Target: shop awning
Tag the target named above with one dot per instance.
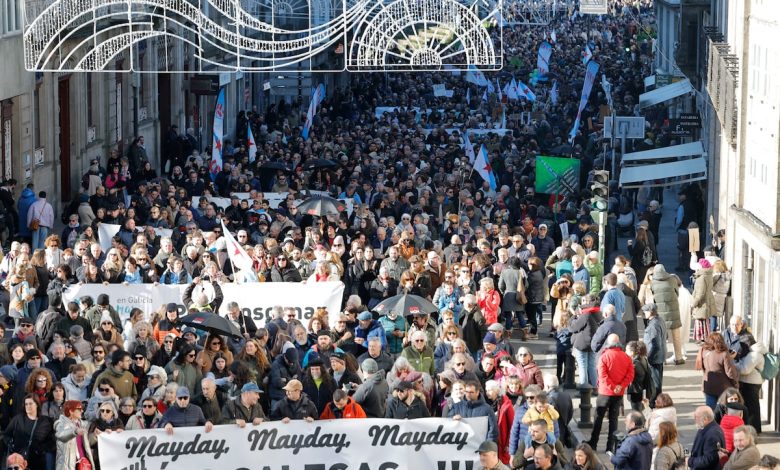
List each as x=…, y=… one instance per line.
x=683, y=171
x=682, y=150
x=666, y=93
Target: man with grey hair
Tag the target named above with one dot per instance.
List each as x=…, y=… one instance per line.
x=745, y=454
x=609, y=325
x=243, y=322
x=709, y=438
x=373, y=392
x=615, y=374
x=208, y=401
x=472, y=324
x=636, y=450
x=276, y=316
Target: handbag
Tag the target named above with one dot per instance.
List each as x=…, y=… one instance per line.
x=520, y=291
x=35, y=223
x=26, y=452
x=83, y=462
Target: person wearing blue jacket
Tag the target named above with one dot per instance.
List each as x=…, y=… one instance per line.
x=25, y=201
x=636, y=450
x=709, y=438
x=474, y=406
x=369, y=328
x=520, y=430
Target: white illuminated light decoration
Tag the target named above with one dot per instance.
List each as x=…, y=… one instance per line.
x=270, y=35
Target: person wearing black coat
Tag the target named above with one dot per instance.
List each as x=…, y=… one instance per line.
x=405, y=403
x=583, y=327
x=284, y=369
x=296, y=405
x=535, y=294
x=709, y=438
x=321, y=394
x=22, y=427
x=284, y=271
x=472, y=324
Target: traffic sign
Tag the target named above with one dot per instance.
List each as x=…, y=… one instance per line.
x=627, y=126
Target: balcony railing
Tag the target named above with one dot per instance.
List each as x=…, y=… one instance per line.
x=722, y=80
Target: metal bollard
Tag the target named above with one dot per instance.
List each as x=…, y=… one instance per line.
x=585, y=393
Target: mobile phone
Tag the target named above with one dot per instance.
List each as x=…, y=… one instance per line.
x=609, y=452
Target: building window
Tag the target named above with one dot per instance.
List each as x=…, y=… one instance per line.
x=10, y=17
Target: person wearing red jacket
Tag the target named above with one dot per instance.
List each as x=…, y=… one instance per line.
x=615, y=372
x=505, y=413
x=342, y=407
x=489, y=300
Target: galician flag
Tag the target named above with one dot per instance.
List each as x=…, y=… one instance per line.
x=238, y=256
x=498, y=89
x=316, y=99
x=476, y=77
x=468, y=148
x=523, y=90
x=216, y=143
x=554, y=92
x=251, y=145
x=587, y=54
x=482, y=165
x=511, y=90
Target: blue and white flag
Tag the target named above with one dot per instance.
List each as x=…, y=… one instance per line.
x=482, y=166
x=553, y=38
x=498, y=90
x=215, y=166
x=490, y=87
x=587, y=54
x=316, y=99
x=476, y=77
x=484, y=95
x=468, y=148
x=543, y=58
x=587, y=86
x=523, y=90
x=468, y=95
x=251, y=145
x=554, y=92
x=510, y=90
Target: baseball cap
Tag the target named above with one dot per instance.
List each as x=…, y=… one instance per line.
x=182, y=392
x=487, y=446
x=404, y=385
x=250, y=387
x=365, y=316
x=293, y=384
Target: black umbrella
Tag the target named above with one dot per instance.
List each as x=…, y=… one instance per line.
x=318, y=163
x=276, y=166
x=211, y=322
x=406, y=304
x=321, y=206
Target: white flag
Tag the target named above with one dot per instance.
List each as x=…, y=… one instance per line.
x=251, y=145
x=238, y=256
x=468, y=148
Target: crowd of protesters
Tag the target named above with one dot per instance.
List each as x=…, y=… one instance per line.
x=498, y=263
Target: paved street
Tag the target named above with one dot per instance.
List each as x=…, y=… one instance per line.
x=683, y=383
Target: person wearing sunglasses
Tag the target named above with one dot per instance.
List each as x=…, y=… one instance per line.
x=283, y=270
x=147, y=416
x=184, y=414
x=107, y=421
x=71, y=430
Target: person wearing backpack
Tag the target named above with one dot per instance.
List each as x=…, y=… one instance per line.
x=670, y=454
x=750, y=369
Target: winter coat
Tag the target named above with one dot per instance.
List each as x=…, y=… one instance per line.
x=18, y=432
x=719, y=370
x=399, y=409
x=507, y=285
x=301, y=409
x=530, y=374
x=74, y=390
x=289, y=274
x=615, y=367
x=728, y=423
x=635, y=453
x=321, y=395
x=234, y=410
x=372, y=395
x=665, y=288
x=609, y=326
x=474, y=328
x=490, y=303
x=137, y=421
x=394, y=345
x=350, y=411
x=668, y=455
x=504, y=419
x=721, y=285
x=536, y=287
x=655, y=339
x=703, y=301
x=744, y=459
x=583, y=327
x=281, y=373
x=474, y=409
x=67, y=446
x=26, y=199
x=704, y=452
x=750, y=366
x=658, y=416
x=633, y=306
x=740, y=342
x=421, y=361
x=374, y=330
x=179, y=417
x=121, y=380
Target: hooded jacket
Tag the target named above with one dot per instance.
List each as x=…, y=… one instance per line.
x=372, y=395
x=635, y=452
x=26, y=200
x=752, y=364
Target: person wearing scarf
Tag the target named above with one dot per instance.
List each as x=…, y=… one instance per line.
x=70, y=430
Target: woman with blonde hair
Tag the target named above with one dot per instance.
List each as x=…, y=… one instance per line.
x=113, y=267
x=20, y=296
x=142, y=336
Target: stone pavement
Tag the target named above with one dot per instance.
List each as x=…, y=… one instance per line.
x=682, y=382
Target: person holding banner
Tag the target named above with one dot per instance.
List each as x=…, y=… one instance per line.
x=296, y=405
x=184, y=414
x=245, y=408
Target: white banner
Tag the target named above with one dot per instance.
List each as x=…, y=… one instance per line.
x=344, y=444
x=256, y=299
x=105, y=233
x=274, y=199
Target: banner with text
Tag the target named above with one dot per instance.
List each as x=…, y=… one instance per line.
x=256, y=299
x=344, y=444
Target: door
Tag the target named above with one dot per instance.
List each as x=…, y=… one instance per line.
x=64, y=139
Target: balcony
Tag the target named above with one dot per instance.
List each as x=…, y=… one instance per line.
x=722, y=81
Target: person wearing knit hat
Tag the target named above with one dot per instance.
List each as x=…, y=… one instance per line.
x=703, y=301
x=8, y=373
